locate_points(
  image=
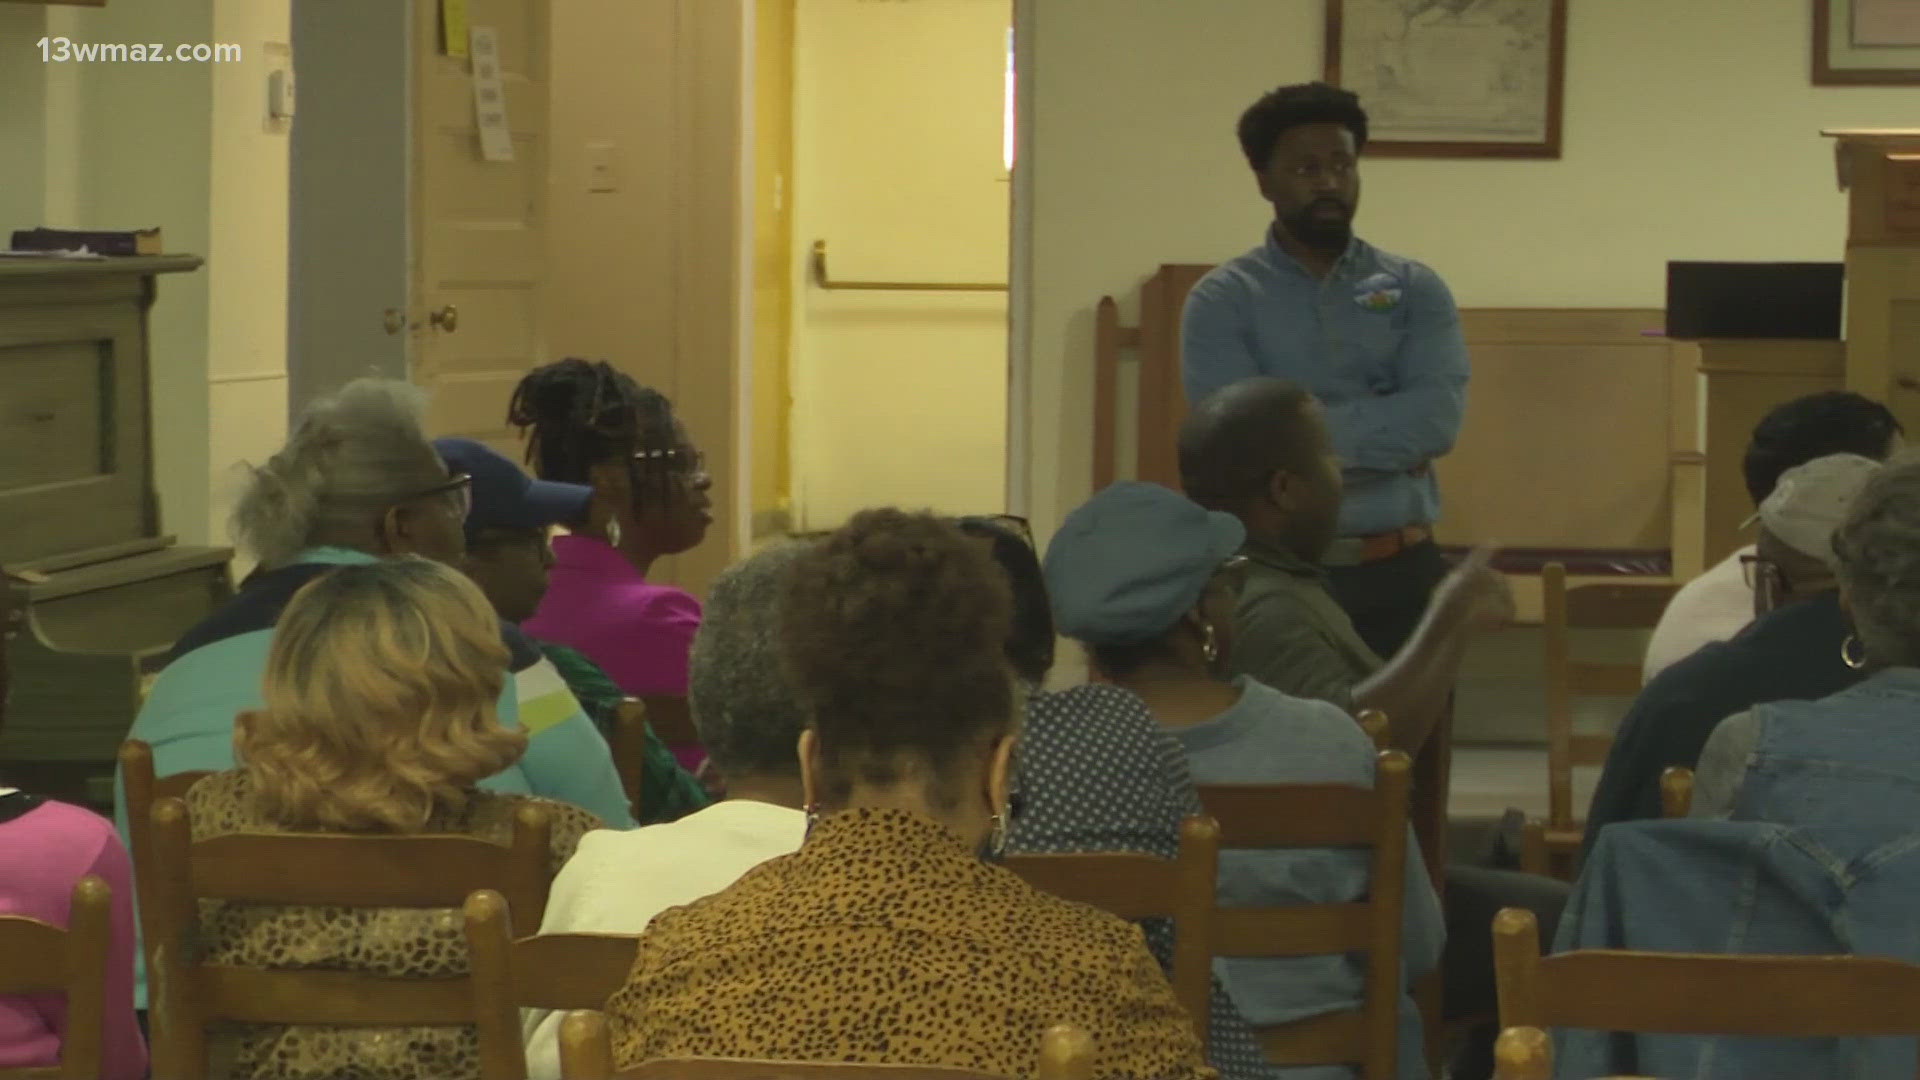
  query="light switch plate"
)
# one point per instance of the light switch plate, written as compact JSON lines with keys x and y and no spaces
{"x":603,"y":167}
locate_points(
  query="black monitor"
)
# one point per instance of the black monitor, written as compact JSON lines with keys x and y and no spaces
{"x":1754,"y":300}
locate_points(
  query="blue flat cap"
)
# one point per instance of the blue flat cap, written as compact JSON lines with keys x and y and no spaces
{"x":1126,"y":565}
{"x":504,"y":497}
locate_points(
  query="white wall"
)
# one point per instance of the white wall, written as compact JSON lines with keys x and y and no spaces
{"x":900,"y":398}
{"x":1691,"y":132}
{"x":182,"y":146}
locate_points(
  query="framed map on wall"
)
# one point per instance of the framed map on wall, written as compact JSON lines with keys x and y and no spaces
{"x":1453,"y":78}
{"x":1866,"y":42}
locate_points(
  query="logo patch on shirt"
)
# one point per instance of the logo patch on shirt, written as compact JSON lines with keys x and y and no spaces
{"x":1378,"y":293}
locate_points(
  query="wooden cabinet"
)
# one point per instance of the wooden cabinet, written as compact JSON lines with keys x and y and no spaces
{"x":99,"y":591}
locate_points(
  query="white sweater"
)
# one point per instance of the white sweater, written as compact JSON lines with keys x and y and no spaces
{"x":617,"y":882}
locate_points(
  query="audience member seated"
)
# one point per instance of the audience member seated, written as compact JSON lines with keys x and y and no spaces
{"x":1719,"y":603}
{"x":508,"y":557}
{"x":1095,"y":773}
{"x":45,"y":848}
{"x":886,"y":937}
{"x":1852,"y":758}
{"x":379,"y":717}
{"x":749,"y":721}
{"x":1259,"y":450}
{"x":1792,"y":650}
{"x":588,"y":423}
{"x":357,"y":482}
{"x":1148,"y":581}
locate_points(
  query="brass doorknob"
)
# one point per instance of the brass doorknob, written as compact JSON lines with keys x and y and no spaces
{"x":447,"y":318}
{"x":393,"y":320}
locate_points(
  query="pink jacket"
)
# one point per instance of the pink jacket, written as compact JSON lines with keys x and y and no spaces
{"x":42,"y":853}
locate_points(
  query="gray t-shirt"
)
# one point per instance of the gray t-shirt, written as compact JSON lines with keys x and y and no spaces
{"x":1268,"y":737}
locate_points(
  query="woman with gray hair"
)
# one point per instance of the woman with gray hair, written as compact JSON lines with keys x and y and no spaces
{"x":356,"y":482}
{"x":1850,"y":758}
{"x":750,"y":721}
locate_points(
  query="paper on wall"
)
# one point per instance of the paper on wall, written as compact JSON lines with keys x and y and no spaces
{"x":490,"y":97}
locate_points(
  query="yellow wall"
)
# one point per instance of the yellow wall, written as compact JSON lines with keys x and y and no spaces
{"x":772,"y":438}
{"x":648,"y":276}
{"x":1691,"y":132}
{"x":183,"y":146}
{"x":900,"y":397}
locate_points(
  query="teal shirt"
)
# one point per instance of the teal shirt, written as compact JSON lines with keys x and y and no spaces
{"x":216,"y":672}
{"x":667,"y":791}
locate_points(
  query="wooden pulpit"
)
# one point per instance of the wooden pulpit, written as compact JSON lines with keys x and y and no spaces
{"x":1880,"y":171}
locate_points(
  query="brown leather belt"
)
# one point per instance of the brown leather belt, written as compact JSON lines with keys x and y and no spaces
{"x":1360,"y":550}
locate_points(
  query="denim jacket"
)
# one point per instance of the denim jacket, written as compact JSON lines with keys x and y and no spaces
{"x":1744,"y":887}
{"x":1849,"y":759}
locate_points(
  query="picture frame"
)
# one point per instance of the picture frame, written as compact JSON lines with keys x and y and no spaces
{"x":1404,"y":59}
{"x":1865,"y":43}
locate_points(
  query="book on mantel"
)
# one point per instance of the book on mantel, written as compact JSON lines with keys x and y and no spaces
{"x":100,"y":242}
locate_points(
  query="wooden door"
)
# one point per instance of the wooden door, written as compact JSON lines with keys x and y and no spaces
{"x":478,"y":227}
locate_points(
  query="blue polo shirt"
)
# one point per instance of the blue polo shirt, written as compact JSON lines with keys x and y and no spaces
{"x":1377,"y":340}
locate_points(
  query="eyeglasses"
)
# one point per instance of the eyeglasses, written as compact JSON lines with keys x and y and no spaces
{"x":1764,"y":578}
{"x":459,"y":487}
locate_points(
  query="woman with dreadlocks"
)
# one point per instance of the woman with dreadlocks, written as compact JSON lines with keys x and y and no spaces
{"x":588,"y":423}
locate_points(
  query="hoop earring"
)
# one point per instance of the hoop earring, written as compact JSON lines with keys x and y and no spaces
{"x":1209,"y":643}
{"x":1852,"y":653}
{"x":813,"y":818}
{"x":997,"y":838}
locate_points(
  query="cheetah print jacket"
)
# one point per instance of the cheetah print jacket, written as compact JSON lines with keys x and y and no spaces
{"x":884,"y":939}
{"x":405,"y":943}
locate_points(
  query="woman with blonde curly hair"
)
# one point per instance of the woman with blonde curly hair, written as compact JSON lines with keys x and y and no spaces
{"x":379,"y":717}
{"x":886,"y":937}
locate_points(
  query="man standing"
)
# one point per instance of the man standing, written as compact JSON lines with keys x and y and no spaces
{"x":1375,"y":337}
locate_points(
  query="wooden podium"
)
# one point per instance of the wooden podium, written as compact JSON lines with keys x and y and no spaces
{"x":1880,"y":171}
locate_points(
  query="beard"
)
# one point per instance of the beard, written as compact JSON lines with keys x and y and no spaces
{"x":1321,"y":231}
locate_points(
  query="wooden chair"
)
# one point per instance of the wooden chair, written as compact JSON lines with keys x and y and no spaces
{"x":1676,"y":791}
{"x":1523,"y":1053}
{"x":586,"y":1053}
{"x":1374,"y":723}
{"x":1694,"y":994}
{"x":187,"y":995}
{"x":1135,"y":886}
{"x":629,"y":746}
{"x":1553,"y":846}
{"x":546,"y":971}
{"x":41,"y":958}
{"x":1326,"y":816}
{"x":140,"y":789}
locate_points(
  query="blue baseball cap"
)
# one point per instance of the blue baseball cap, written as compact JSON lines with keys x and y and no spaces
{"x":504,"y":497}
{"x":1126,"y":565}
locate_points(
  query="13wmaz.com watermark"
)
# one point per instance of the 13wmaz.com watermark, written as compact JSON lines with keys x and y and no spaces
{"x":60,"y":50}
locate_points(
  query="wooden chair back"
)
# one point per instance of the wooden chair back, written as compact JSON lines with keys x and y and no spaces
{"x":42,"y":958}
{"x":546,"y":971}
{"x":1552,"y":846}
{"x":586,"y":1053}
{"x":310,"y":869}
{"x":629,"y":746}
{"x":672,"y":719}
{"x":1676,"y":791}
{"x":1135,"y":886}
{"x":1374,"y":723}
{"x":1523,"y":1053}
{"x":1696,"y":994}
{"x":1326,"y":816}
{"x":139,"y":789}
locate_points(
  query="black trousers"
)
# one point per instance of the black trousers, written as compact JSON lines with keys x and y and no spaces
{"x":1386,"y":599}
